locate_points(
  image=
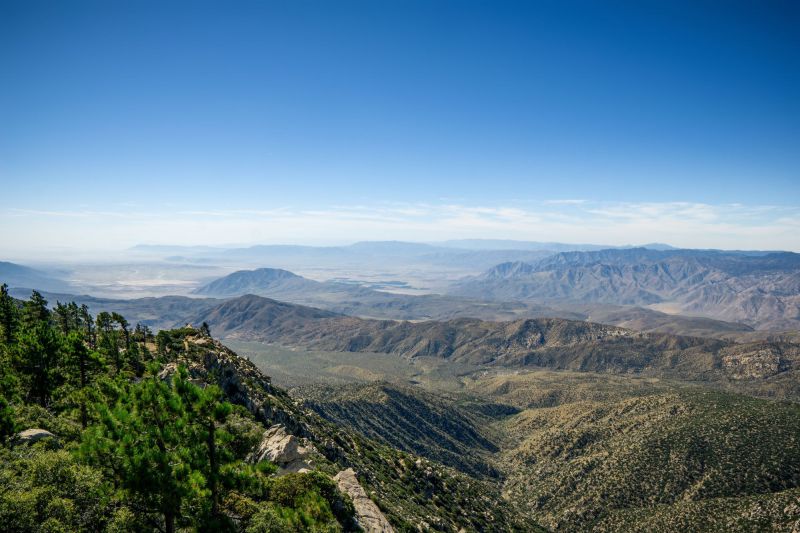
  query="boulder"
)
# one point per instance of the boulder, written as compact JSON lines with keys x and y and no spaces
{"x":285,"y":450}
{"x":368,"y":515}
{"x":29,"y":436}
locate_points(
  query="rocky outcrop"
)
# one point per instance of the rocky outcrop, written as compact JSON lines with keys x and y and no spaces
{"x":209,"y":361}
{"x":368,"y":515}
{"x":756,"y":361}
{"x":285,"y":450}
{"x":29,"y":436}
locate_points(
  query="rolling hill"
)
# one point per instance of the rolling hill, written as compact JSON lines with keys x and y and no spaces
{"x":763,"y":367}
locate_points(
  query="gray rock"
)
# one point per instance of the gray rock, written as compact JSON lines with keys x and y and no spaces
{"x":368,"y":515}
{"x":284,"y":449}
{"x":29,"y":436}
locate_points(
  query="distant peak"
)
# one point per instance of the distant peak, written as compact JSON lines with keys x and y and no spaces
{"x":509,"y":269}
{"x":277,"y":273}
{"x":253,"y":282}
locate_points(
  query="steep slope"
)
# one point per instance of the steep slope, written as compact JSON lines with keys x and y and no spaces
{"x":594,"y":452}
{"x":414,"y":493}
{"x":408,"y":419}
{"x":762,"y":290}
{"x":762,"y":368}
{"x":581,"y":463}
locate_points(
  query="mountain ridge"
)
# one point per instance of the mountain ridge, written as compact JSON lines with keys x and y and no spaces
{"x":547,"y":343}
{"x":761,"y":290}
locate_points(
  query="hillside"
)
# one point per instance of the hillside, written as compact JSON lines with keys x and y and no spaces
{"x":762,"y":290}
{"x":19,"y":276}
{"x":409,"y":490}
{"x":272,"y":281}
{"x":582,"y":463}
{"x":410,"y":420}
{"x":112,"y":429}
{"x":761,"y":368}
{"x":589,"y":452}
{"x":594,"y":452}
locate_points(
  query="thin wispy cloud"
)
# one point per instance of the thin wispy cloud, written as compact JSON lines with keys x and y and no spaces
{"x":567,"y":201}
{"x":686,"y":224}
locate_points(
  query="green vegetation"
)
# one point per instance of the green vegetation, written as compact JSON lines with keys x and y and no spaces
{"x":611,"y":453}
{"x":576,"y":451}
{"x":105,"y":426}
{"x":133,"y":445}
{"x":158,"y":433}
{"x":410,"y":420}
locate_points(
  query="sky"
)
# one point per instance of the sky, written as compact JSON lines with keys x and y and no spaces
{"x":331,"y":122}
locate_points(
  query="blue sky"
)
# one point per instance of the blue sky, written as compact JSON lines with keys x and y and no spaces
{"x":617,"y":122}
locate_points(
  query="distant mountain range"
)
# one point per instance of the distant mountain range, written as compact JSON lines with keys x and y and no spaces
{"x":372,"y":254}
{"x":758,"y":288}
{"x":352,"y":299}
{"x":468,"y":254}
{"x":501,"y":244}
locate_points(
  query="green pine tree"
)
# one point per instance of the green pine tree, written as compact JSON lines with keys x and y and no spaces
{"x":142,"y":442}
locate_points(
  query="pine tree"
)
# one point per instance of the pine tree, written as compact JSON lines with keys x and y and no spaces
{"x":35,"y":311}
{"x":207,"y":413}
{"x":88,"y":326}
{"x":124,"y":326}
{"x":108,"y":339}
{"x":143,"y":441}
{"x":36,"y":357}
{"x":8,"y":425}
{"x":8,"y":316}
{"x":8,"y":393}
{"x":80,"y":365}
